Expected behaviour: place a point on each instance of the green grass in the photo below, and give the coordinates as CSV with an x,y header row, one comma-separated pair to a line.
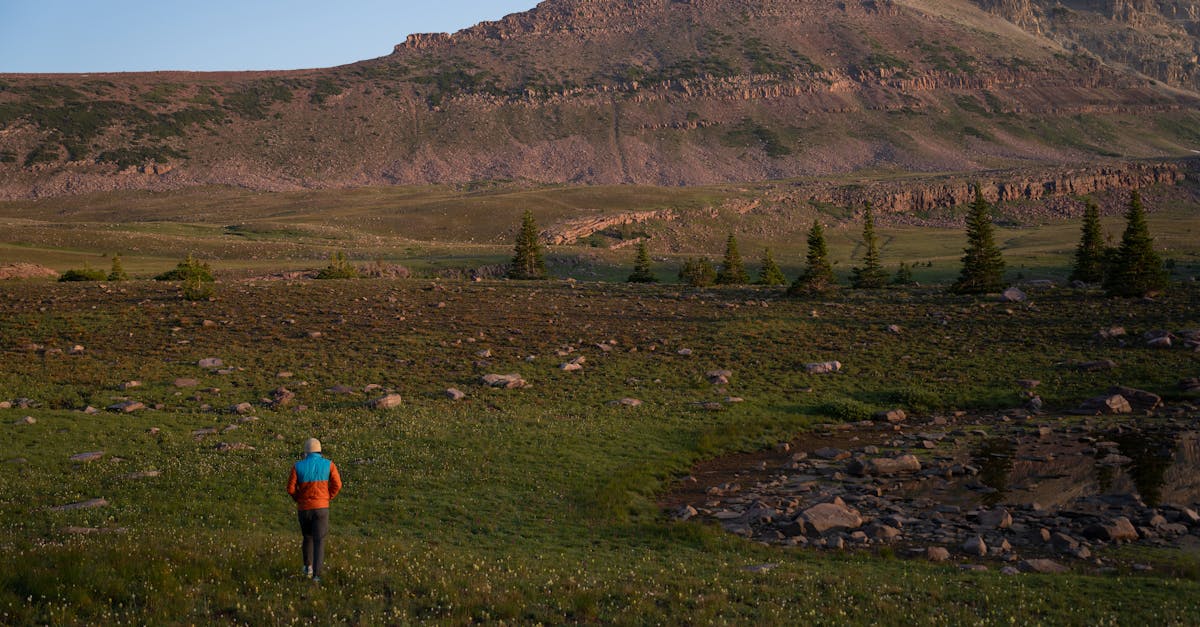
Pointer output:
x,y
516,505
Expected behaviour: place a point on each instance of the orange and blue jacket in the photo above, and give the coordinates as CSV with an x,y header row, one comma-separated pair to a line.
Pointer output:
x,y
314,481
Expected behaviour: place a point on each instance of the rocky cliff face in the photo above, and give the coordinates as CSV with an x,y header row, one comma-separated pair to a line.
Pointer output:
x,y
666,92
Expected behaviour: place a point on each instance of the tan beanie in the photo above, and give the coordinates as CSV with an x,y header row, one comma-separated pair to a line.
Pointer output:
x,y
312,445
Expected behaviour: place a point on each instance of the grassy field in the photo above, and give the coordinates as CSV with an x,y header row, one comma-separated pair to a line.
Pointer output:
x,y
527,505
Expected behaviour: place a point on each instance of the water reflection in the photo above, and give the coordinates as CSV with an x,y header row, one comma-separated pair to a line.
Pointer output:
x,y
994,458
1150,453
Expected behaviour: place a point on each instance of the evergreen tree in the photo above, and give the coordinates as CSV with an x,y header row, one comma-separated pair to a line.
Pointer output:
x,y
983,266
818,275
770,274
641,267
871,274
118,270
904,275
1136,269
339,268
1089,255
698,272
527,262
732,271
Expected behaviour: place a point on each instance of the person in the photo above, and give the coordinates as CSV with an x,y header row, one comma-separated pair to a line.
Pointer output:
x,y
313,483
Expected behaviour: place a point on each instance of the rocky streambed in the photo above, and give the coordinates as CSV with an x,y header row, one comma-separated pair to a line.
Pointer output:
x,y
1032,493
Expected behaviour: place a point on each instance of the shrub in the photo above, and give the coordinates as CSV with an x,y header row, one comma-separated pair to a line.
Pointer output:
x,y
82,274
188,269
904,275
769,273
732,271
698,272
846,410
916,399
339,268
196,288
118,270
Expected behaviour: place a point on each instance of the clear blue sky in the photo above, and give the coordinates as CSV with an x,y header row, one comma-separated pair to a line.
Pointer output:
x,y
127,36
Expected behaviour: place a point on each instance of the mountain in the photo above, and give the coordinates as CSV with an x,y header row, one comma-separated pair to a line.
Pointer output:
x,y
668,92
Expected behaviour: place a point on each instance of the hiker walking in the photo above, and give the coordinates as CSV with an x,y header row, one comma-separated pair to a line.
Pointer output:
x,y
313,483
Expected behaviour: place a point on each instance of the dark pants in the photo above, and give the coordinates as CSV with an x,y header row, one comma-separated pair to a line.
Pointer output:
x,y
314,524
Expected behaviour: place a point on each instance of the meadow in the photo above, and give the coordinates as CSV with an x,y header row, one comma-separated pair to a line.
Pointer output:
x,y
524,505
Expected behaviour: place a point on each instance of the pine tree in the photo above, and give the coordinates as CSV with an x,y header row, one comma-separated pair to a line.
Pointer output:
x,y
983,266
641,267
118,270
732,271
818,275
904,275
1089,255
1136,269
770,274
527,262
871,274
698,272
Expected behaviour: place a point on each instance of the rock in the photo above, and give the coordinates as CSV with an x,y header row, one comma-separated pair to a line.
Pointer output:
x,y
5,404
387,401
454,394
627,402
1094,366
1139,400
283,374
77,349
1107,404
89,410
937,554
210,363
1041,565
129,385
1190,515
88,504
27,420
505,381
571,366
891,415
895,328
1111,332
145,474
186,383
242,408
883,533
998,518
282,397
823,367
760,568
1190,385
1117,530
685,512
126,407
974,546
199,433
1012,295
87,457
823,517
234,446
340,389
718,377
883,466
684,352
1009,570
832,454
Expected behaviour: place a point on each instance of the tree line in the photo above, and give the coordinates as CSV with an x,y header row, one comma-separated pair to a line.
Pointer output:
x,y
1132,268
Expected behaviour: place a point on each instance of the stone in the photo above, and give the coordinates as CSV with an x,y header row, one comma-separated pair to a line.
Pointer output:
x,y
891,415
1162,341
185,383
684,352
281,397
242,408
387,401
27,420
937,554
87,457
1012,295
760,568
210,363
1139,400
505,381
685,512
883,533
998,518
823,367
199,433
454,394
974,546
1117,530
1041,565
1111,332
89,410
571,366
1107,404
823,517
883,466
88,504
832,454
233,446
129,385
895,328
718,377
627,402
145,474
126,407
340,389
5,404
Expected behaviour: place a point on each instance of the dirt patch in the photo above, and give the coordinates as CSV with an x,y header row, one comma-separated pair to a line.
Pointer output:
x,y
26,271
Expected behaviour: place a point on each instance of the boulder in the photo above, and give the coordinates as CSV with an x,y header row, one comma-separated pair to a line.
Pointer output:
x,y
1041,565
27,420
627,402
998,518
129,385
974,546
718,377
242,408
387,401
891,415
88,504
883,466
1012,295
77,349
1117,530
505,381
1111,332
210,363
823,517
1106,404
340,389
185,383
282,397
823,367
454,394
87,457
126,407
937,554
571,366
1139,400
